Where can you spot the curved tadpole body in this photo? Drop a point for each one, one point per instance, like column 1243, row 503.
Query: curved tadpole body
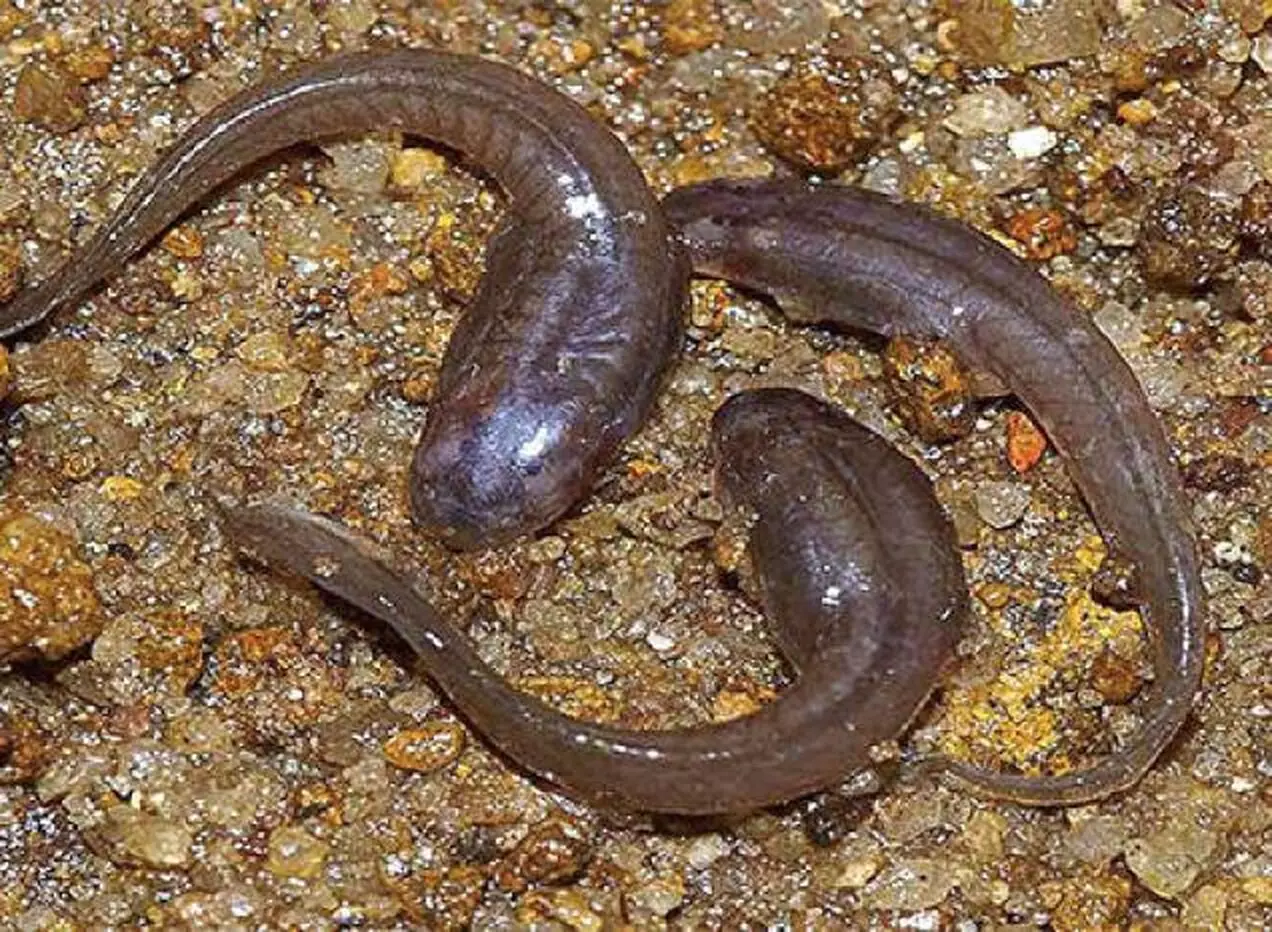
column 849, row 257
column 560, row 356
column 861, row 582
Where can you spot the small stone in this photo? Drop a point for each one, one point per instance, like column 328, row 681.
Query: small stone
column 1258, row 889
column 414, row 169
column 657, row 897
column 659, row 642
column 1002, row 504
column 163, row 644
column 554, row 852
column 705, row 850
column 931, row 386
column 1219, row 472
column 1261, row 52
column 184, row 242
column 456, row 257
column 155, row 842
column 1205, row 909
column 824, row 125
column 987, row 112
column 6, row 379
column 1092, row 901
column 121, row 489
column 778, row 26
column 426, row 749
column 1187, row 239
column 293, row 852
column 91, row 63
column 564, row 56
column 353, row 17
column 1115, row 678
column 1031, row 142
column 26, row 751
column 1137, row 112
column 48, row 605
column 1116, row 583
column 1095, row 839
column 418, row 389
column 272, row 392
column 265, row 352
column 571, row 909
column 1168, row 862
column 449, row 898
column 984, row 836
column 1025, row 442
column 690, row 26
column 359, row 167
column 857, row 872
column 1000, row 32
column 1043, row 232
column 916, row 883
column 49, row 97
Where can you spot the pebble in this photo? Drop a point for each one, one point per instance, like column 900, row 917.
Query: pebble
column 1092, row 900
column 932, row 388
column 47, row 598
column 1025, row 442
column 1094, row 839
column 1116, row 678
column 1187, row 239
column 359, row 167
column 856, row 872
column 1031, row 142
column 426, row 749
column 272, row 392
column 910, row 884
column 450, row 897
column 554, row 852
column 163, row 644
column 690, row 26
column 778, row 26
column 987, row 112
column 1261, row 52
column 820, row 124
column 6, row 377
column 414, row 169
column 155, row 842
column 184, row 242
column 1205, row 909
column 26, row 751
column 658, row 897
column 49, row 97
column 1002, row 504
column 268, row 351
column 705, row 850
column 1044, row 233
column 1168, row 862
column 293, row 852
column 1023, row 35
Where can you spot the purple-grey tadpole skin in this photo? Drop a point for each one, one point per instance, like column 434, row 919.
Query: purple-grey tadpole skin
column 561, row 354
column 848, row 257
column 861, row 581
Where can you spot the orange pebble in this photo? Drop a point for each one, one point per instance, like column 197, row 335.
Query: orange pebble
column 1025, row 442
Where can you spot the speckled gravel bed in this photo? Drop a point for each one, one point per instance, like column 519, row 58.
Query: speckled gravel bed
column 188, row 740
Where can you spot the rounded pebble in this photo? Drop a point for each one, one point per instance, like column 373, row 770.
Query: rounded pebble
column 426, row 749
column 1002, row 504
